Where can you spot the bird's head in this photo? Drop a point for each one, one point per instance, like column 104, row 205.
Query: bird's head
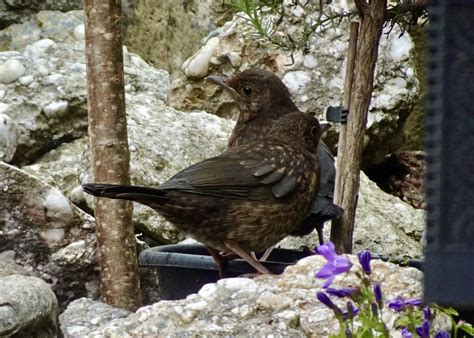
column 300, row 129
column 257, row 92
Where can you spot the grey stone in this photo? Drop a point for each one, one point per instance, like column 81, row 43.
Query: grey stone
column 48, row 100
column 28, row 307
column 85, row 315
column 51, row 238
column 242, row 307
column 8, row 137
column 178, row 26
column 19, row 11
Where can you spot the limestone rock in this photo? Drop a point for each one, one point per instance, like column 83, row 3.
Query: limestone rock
column 84, row 315
column 28, row 307
column 18, row 11
column 315, row 78
column 283, row 305
column 47, row 99
column 166, row 33
column 8, row 136
column 50, row 238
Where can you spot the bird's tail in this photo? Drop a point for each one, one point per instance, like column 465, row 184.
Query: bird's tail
column 125, row 192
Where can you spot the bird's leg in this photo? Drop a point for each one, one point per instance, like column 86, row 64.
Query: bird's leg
column 234, row 247
column 267, row 253
column 219, row 259
column 319, row 230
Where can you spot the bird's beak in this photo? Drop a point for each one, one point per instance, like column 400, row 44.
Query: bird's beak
column 221, row 81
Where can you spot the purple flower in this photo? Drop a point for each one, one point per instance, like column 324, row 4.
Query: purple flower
column 427, row 313
column 343, row 292
column 378, row 294
column 351, row 312
column 375, row 309
column 397, row 304
column 335, row 265
column 406, row 333
column 414, row 302
column 364, row 259
column 424, row 329
column 323, row 298
column 442, row 334
column 348, row 333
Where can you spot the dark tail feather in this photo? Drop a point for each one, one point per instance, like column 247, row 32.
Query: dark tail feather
column 126, row 192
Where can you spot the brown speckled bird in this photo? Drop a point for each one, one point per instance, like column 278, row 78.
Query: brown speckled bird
column 262, row 98
column 246, row 199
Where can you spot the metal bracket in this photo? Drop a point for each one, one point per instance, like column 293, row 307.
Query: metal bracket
column 337, row 114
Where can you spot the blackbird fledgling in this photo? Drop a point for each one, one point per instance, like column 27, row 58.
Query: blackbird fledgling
column 246, row 199
column 262, row 98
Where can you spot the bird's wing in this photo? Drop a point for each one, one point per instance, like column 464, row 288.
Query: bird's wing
column 249, row 173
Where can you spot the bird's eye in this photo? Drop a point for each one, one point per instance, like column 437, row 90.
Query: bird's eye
column 246, row 90
column 314, row 131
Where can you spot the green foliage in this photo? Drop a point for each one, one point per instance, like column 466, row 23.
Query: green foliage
column 265, row 17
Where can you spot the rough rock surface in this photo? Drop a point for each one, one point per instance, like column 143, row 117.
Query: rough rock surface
column 17, row 11
column 81, row 320
column 43, row 82
column 315, row 79
column 49, row 236
column 283, row 306
column 402, row 174
column 28, row 307
column 179, row 26
column 384, row 224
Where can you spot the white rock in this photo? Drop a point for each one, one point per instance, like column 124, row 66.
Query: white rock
column 296, row 81
column 208, row 291
column 79, row 32
column 39, row 48
column 9, row 136
column 198, row 65
column 26, row 80
column 52, row 236
column 58, row 209
column 237, row 284
column 400, row 48
column 11, row 70
column 55, row 108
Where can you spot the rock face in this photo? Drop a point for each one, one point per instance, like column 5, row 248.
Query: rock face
column 28, row 307
column 46, row 234
column 315, row 78
column 166, row 33
column 284, row 306
column 402, row 174
column 43, row 82
column 17, row 11
column 81, row 320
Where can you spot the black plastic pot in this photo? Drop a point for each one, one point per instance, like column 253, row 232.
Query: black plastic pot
column 183, row 269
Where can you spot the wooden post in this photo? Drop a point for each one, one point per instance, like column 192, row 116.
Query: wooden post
column 372, row 20
column 109, row 152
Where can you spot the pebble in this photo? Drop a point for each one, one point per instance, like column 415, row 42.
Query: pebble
column 55, row 108
column 11, row 70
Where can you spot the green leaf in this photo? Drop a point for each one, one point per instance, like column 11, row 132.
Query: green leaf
column 468, row 328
